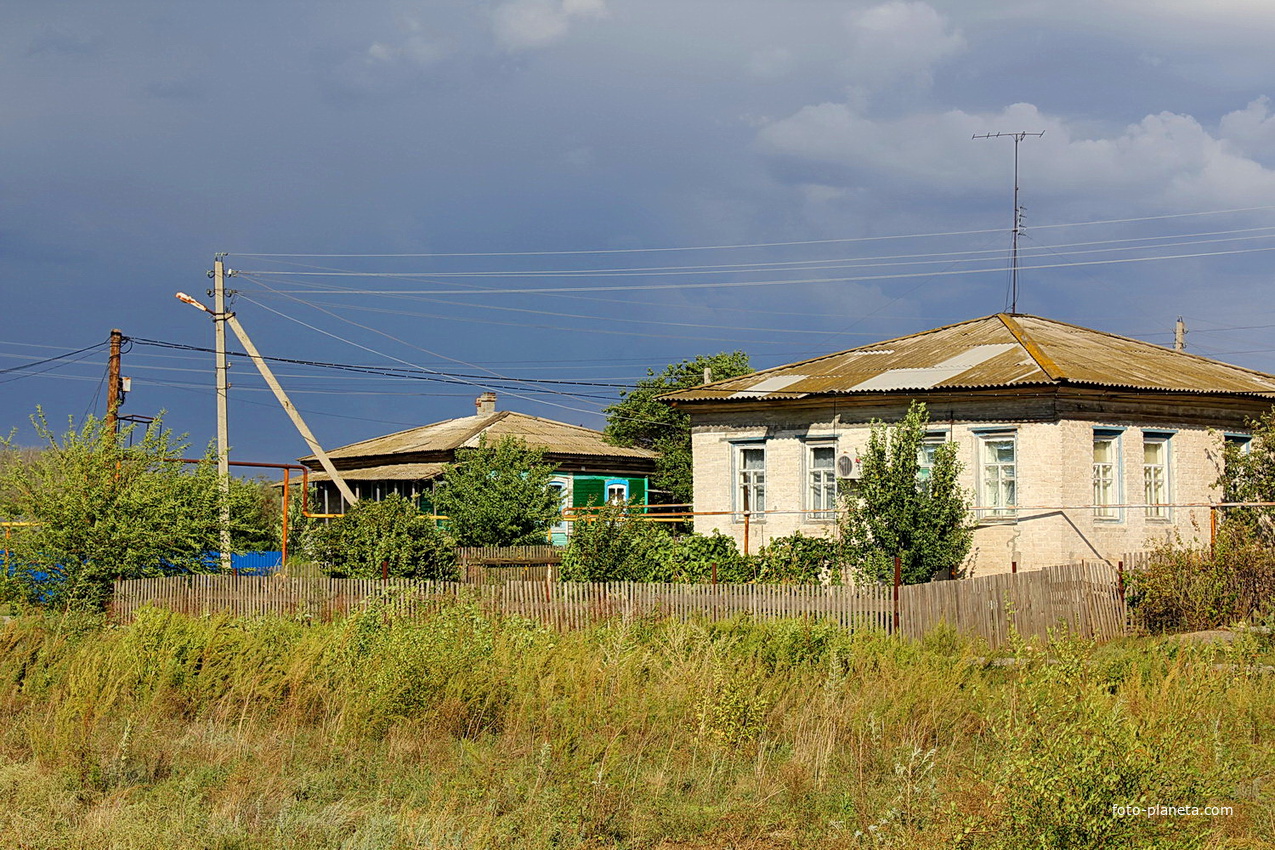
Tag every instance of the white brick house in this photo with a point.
(1075, 443)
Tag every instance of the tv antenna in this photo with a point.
(1018, 212)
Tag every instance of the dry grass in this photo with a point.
(463, 731)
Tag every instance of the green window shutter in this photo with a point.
(637, 490)
(586, 491)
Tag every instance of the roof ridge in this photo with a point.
(554, 422)
(1162, 348)
(487, 422)
(785, 366)
(1034, 351)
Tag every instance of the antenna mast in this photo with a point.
(1018, 212)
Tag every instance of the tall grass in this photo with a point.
(462, 730)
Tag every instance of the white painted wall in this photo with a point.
(1055, 469)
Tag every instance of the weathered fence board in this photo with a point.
(1082, 598)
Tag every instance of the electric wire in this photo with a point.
(761, 283)
(888, 261)
(601, 251)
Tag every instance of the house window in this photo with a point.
(750, 480)
(559, 489)
(926, 456)
(999, 467)
(1155, 475)
(822, 478)
(1106, 474)
(617, 492)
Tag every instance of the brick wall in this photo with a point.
(1054, 468)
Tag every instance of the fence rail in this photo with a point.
(1082, 597)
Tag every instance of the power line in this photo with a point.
(386, 371)
(602, 251)
(757, 283)
(825, 264)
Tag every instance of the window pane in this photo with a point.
(1155, 476)
(1153, 452)
(1104, 451)
(822, 457)
(753, 458)
(999, 473)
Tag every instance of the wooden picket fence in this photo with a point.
(485, 564)
(1082, 598)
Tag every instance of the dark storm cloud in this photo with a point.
(142, 136)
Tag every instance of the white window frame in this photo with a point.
(1106, 511)
(613, 486)
(1002, 512)
(821, 483)
(563, 486)
(755, 481)
(1165, 440)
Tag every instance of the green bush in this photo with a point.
(608, 545)
(373, 538)
(1184, 588)
(611, 545)
(498, 494)
(798, 559)
(101, 509)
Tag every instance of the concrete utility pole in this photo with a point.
(306, 434)
(113, 382)
(1179, 335)
(223, 414)
(277, 388)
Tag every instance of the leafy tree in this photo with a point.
(498, 494)
(101, 510)
(1249, 476)
(607, 545)
(640, 419)
(894, 512)
(256, 515)
(374, 538)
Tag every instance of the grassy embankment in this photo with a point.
(462, 731)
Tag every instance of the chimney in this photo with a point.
(486, 404)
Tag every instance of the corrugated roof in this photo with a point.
(1001, 350)
(452, 434)
(389, 472)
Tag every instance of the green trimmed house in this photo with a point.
(589, 469)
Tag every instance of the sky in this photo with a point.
(547, 198)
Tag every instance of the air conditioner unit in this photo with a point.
(849, 466)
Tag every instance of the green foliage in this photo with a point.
(613, 545)
(1071, 752)
(1249, 476)
(798, 559)
(387, 536)
(256, 515)
(608, 545)
(1186, 588)
(640, 419)
(926, 523)
(102, 509)
(401, 667)
(453, 728)
(498, 494)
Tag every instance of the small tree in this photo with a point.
(100, 510)
(608, 545)
(1249, 476)
(640, 419)
(498, 494)
(389, 537)
(893, 513)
